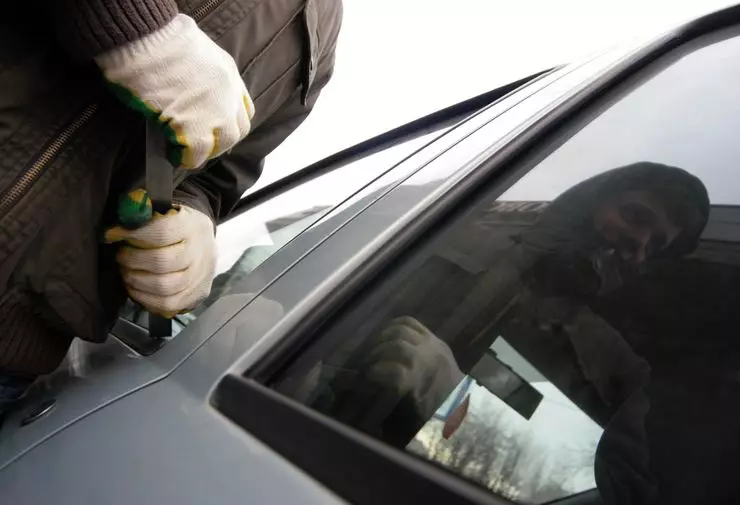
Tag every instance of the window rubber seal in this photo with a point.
(404, 133)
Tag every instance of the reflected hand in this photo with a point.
(408, 369)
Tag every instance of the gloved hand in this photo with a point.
(179, 76)
(168, 264)
(406, 364)
(411, 360)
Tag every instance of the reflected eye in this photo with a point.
(635, 214)
(641, 219)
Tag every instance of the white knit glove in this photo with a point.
(178, 75)
(408, 360)
(168, 264)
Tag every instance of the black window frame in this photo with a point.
(357, 467)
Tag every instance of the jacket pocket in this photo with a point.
(272, 42)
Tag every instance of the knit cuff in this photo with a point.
(91, 27)
(178, 32)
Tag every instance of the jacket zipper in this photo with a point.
(20, 187)
(199, 13)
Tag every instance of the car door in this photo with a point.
(593, 259)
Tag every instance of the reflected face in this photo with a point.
(620, 234)
(636, 225)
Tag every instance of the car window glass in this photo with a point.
(577, 330)
(249, 239)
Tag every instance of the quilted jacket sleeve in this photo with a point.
(90, 27)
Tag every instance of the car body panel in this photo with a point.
(160, 445)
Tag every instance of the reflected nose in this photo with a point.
(633, 247)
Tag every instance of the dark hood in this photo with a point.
(563, 243)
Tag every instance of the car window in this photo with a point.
(575, 329)
(249, 239)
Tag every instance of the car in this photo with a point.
(528, 297)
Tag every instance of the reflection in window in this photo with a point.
(507, 297)
(544, 457)
(601, 290)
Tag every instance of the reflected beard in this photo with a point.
(569, 258)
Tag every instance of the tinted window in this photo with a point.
(577, 329)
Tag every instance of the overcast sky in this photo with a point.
(400, 59)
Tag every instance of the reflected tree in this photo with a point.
(487, 451)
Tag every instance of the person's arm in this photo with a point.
(160, 63)
(88, 28)
(167, 281)
(622, 460)
(219, 188)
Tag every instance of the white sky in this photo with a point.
(400, 59)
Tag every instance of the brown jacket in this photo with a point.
(67, 149)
